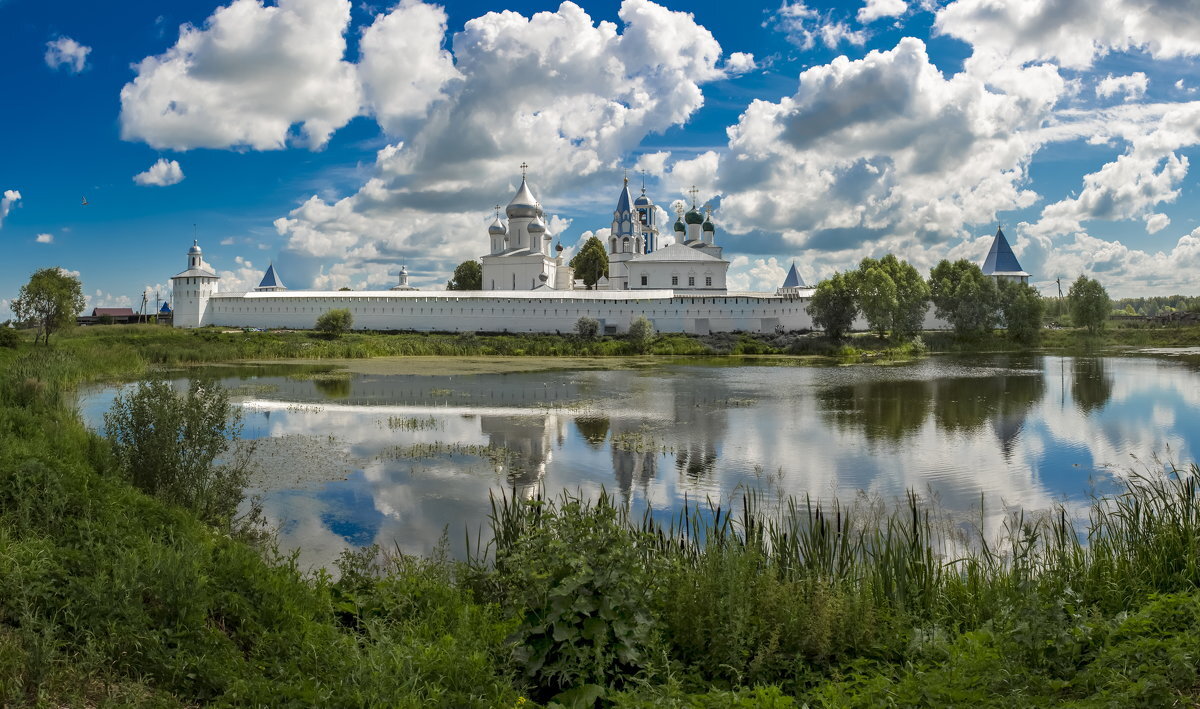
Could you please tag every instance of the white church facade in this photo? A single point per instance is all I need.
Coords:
(677, 280)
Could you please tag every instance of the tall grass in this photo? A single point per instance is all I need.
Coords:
(785, 593)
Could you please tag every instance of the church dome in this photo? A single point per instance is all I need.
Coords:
(642, 201)
(536, 227)
(523, 204)
(679, 226)
(708, 225)
(195, 248)
(497, 227)
(694, 216)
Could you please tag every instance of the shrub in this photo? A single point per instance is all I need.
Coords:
(587, 328)
(335, 322)
(577, 570)
(9, 337)
(167, 443)
(641, 334)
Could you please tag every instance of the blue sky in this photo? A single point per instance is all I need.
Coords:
(340, 141)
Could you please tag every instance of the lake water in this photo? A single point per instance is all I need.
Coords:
(357, 458)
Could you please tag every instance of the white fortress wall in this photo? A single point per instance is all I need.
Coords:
(512, 311)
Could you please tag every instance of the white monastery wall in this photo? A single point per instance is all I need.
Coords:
(514, 311)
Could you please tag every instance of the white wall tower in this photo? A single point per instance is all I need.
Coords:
(192, 288)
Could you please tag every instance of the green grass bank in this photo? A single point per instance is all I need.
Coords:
(154, 345)
(112, 598)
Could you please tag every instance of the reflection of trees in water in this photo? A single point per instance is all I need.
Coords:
(593, 429)
(890, 410)
(333, 387)
(1091, 384)
(966, 404)
(894, 410)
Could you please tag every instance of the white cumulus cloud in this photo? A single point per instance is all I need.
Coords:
(245, 78)
(740, 63)
(875, 9)
(403, 66)
(66, 52)
(45, 239)
(884, 153)
(161, 174)
(804, 26)
(1072, 33)
(1133, 86)
(566, 94)
(10, 198)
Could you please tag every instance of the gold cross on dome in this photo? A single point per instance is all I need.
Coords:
(524, 167)
(693, 192)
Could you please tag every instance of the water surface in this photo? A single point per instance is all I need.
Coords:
(359, 458)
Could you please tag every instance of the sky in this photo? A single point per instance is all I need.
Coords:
(342, 140)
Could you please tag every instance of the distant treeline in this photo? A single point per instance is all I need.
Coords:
(1158, 305)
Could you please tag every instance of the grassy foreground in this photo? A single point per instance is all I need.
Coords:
(111, 598)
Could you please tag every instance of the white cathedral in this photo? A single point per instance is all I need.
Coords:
(639, 258)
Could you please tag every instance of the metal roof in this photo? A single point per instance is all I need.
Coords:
(270, 279)
(1000, 258)
(793, 279)
(523, 204)
(113, 312)
(675, 252)
(194, 273)
(624, 199)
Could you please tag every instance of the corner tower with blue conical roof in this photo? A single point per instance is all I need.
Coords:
(1001, 263)
(270, 281)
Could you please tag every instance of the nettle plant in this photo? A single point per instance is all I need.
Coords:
(581, 578)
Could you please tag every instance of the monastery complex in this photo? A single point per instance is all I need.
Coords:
(675, 278)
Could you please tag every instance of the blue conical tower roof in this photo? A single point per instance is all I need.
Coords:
(270, 280)
(1000, 258)
(793, 279)
(624, 200)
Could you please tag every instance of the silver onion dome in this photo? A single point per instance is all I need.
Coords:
(523, 204)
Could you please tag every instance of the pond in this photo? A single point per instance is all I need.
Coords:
(352, 457)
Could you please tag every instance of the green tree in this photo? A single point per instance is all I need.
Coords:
(167, 443)
(335, 322)
(964, 297)
(912, 296)
(834, 305)
(641, 333)
(587, 328)
(591, 263)
(1089, 304)
(50, 301)
(1022, 308)
(468, 275)
(876, 296)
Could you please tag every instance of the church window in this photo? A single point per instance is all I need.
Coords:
(691, 280)
(643, 279)
(674, 280)
(708, 280)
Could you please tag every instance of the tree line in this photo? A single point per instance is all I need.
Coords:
(893, 298)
